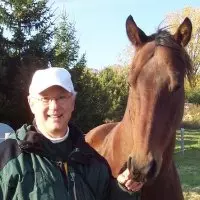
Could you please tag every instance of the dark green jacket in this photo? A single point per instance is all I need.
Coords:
(32, 167)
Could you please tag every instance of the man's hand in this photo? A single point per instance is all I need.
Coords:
(125, 179)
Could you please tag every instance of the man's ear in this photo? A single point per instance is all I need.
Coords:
(31, 103)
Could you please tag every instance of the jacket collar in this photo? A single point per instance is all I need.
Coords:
(31, 141)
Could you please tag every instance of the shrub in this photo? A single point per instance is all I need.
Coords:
(191, 118)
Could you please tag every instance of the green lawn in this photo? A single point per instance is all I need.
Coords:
(189, 163)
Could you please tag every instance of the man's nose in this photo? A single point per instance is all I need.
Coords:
(53, 103)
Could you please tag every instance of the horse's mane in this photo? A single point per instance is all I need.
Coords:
(164, 38)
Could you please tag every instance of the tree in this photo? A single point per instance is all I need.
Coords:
(114, 85)
(65, 50)
(193, 48)
(29, 25)
(90, 101)
(29, 32)
(102, 95)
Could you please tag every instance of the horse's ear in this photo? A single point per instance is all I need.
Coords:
(135, 34)
(184, 32)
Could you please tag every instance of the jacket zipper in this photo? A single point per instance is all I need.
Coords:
(72, 175)
(63, 172)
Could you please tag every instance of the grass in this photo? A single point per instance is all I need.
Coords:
(188, 164)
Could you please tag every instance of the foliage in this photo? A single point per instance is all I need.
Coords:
(193, 93)
(101, 96)
(191, 118)
(65, 50)
(114, 85)
(13, 96)
(193, 48)
(29, 24)
(90, 102)
(194, 96)
(25, 32)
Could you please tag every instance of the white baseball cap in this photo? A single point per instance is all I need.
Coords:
(45, 78)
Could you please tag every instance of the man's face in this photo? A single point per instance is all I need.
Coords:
(52, 109)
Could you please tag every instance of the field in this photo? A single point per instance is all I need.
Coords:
(188, 163)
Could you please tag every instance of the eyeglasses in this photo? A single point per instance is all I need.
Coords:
(47, 100)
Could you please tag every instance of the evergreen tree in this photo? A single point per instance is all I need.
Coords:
(66, 46)
(29, 23)
(26, 30)
(114, 85)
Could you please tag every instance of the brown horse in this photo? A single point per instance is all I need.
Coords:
(145, 138)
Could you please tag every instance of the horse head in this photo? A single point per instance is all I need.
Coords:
(156, 97)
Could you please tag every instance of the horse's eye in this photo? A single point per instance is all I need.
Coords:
(175, 88)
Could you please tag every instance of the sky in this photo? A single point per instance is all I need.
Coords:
(100, 24)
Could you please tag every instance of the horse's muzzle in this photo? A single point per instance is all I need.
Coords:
(142, 173)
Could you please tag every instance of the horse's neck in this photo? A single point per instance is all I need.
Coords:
(168, 154)
(116, 147)
(128, 118)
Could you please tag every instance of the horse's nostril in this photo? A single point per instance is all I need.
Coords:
(142, 174)
(152, 169)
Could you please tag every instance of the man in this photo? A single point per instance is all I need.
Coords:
(50, 159)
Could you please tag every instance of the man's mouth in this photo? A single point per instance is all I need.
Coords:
(55, 116)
